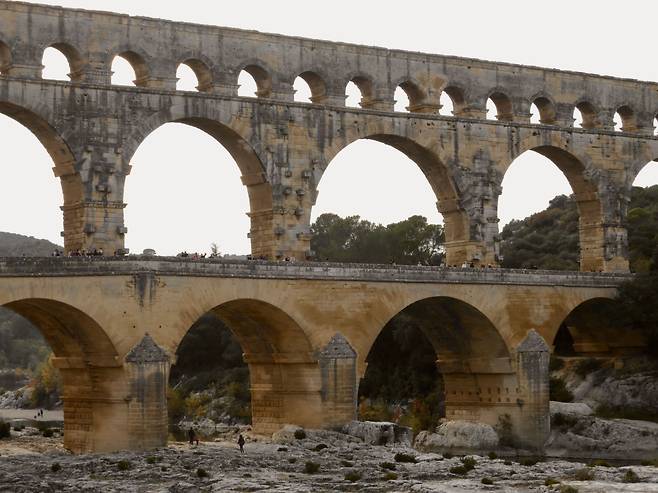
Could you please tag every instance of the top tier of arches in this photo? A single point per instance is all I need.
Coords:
(155, 49)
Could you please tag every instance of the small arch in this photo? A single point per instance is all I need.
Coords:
(655, 126)
(542, 111)
(317, 89)
(135, 69)
(499, 107)
(585, 115)
(193, 74)
(61, 61)
(359, 91)
(625, 119)
(261, 80)
(456, 98)
(5, 58)
(408, 96)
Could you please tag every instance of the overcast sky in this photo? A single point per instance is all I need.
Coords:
(209, 205)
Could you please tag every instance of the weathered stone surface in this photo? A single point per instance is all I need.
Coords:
(379, 433)
(577, 408)
(459, 435)
(147, 351)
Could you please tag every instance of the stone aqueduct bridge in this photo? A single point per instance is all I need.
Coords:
(92, 129)
(305, 329)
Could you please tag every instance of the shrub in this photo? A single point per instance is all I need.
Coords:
(124, 465)
(346, 463)
(550, 481)
(630, 477)
(55, 467)
(5, 430)
(48, 433)
(555, 363)
(461, 470)
(559, 420)
(388, 465)
(653, 462)
(586, 366)
(402, 457)
(527, 461)
(599, 462)
(390, 476)
(300, 434)
(448, 455)
(507, 462)
(487, 481)
(320, 446)
(292, 460)
(151, 460)
(492, 455)
(469, 463)
(311, 467)
(282, 449)
(565, 488)
(201, 473)
(353, 476)
(584, 474)
(558, 390)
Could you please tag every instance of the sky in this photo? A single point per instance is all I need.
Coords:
(606, 37)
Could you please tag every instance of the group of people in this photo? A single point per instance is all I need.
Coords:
(193, 438)
(96, 252)
(39, 414)
(197, 256)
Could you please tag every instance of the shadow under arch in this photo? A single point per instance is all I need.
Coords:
(64, 162)
(472, 356)
(594, 328)
(86, 359)
(246, 152)
(591, 224)
(457, 225)
(283, 368)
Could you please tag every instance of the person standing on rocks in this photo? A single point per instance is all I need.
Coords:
(241, 444)
(194, 438)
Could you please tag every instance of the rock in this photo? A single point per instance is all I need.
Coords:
(575, 408)
(379, 433)
(286, 434)
(458, 435)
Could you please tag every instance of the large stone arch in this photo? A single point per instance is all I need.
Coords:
(460, 236)
(37, 120)
(244, 145)
(90, 368)
(283, 366)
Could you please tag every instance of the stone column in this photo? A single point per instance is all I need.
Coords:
(339, 384)
(147, 368)
(533, 422)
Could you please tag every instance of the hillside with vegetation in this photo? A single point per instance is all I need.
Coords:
(15, 245)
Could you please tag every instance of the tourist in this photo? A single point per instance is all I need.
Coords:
(241, 444)
(194, 438)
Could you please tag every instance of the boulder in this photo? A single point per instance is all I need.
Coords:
(572, 408)
(458, 435)
(286, 434)
(379, 432)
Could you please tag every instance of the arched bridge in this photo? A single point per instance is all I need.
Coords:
(92, 129)
(305, 330)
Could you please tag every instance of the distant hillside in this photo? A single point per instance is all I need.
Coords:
(14, 245)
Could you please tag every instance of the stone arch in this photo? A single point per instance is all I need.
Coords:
(472, 356)
(247, 152)
(137, 59)
(316, 83)
(261, 73)
(457, 95)
(414, 91)
(586, 191)
(589, 112)
(76, 61)
(546, 107)
(283, 367)
(503, 104)
(203, 71)
(57, 146)
(441, 179)
(628, 118)
(86, 358)
(5, 57)
(366, 86)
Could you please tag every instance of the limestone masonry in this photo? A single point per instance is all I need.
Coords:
(307, 328)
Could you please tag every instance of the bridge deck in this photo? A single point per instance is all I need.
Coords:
(327, 271)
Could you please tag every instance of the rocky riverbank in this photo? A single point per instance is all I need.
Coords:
(321, 461)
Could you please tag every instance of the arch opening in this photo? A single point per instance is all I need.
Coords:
(436, 358)
(585, 115)
(624, 119)
(260, 342)
(499, 107)
(77, 354)
(31, 142)
(62, 61)
(565, 236)
(542, 111)
(409, 97)
(342, 211)
(452, 100)
(254, 81)
(129, 69)
(178, 168)
(193, 75)
(309, 88)
(359, 92)
(642, 220)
